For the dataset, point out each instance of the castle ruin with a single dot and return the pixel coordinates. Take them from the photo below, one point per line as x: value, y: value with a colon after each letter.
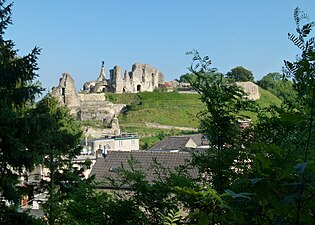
x: 91, y: 104
x: 86, y: 106
x: 141, y: 78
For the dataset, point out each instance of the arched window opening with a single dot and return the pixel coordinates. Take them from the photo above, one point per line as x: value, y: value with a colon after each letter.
x: 138, y: 88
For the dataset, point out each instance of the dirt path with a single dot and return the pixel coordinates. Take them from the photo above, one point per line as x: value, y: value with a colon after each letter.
x: 166, y: 127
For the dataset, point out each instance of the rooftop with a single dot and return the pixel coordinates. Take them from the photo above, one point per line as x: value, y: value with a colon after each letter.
x: 144, y: 160
x: 178, y: 142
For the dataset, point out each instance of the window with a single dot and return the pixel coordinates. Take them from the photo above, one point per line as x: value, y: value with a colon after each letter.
x: 138, y: 88
x: 120, y: 143
x: 133, y: 143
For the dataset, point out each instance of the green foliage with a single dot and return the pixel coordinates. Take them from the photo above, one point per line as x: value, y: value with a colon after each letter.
x: 270, y: 80
x: 223, y: 101
x: 87, y: 206
x: 187, y: 78
x: 60, y: 143
x: 148, y: 142
x: 302, y: 72
x: 9, y: 215
x: 205, y: 205
x: 240, y: 74
x: 281, y: 177
x: 263, y: 174
x: 172, y: 217
x: 18, y: 90
x: 110, y: 97
x: 282, y: 88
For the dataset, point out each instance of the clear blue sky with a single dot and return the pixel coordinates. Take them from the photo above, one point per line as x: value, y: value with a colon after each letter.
x: 76, y: 35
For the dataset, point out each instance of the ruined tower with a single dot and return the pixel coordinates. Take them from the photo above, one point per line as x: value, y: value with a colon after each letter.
x: 65, y: 92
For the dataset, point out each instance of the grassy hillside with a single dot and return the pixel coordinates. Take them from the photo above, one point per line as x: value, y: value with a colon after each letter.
x: 167, y: 108
x: 267, y: 99
x: 164, y: 108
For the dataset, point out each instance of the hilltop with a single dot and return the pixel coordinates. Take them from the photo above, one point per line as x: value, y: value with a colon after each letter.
x: 156, y: 114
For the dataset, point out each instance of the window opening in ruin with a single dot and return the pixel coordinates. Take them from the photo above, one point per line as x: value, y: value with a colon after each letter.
x: 124, y: 90
x: 63, y: 91
x: 138, y: 88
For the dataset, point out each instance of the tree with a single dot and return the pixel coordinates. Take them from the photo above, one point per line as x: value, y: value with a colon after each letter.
x: 187, y: 78
x: 280, y: 87
x: 18, y: 90
x: 240, y: 74
x: 270, y: 80
x: 29, y: 132
x: 302, y: 72
x: 224, y: 103
x: 60, y: 143
x: 281, y: 176
x: 219, y: 165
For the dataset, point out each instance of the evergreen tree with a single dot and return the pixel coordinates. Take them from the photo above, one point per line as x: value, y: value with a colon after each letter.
x: 18, y: 90
x: 31, y: 134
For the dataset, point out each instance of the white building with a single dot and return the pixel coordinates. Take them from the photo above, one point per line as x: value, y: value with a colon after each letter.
x: 122, y: 142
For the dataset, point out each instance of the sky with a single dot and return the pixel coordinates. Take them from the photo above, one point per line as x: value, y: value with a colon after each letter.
x: 75, y: 36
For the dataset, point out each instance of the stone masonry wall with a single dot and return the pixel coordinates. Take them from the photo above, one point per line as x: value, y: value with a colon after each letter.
x: 250, y: 89
x: 85, y: 106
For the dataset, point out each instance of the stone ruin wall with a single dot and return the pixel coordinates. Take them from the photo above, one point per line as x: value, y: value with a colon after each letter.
x: 250, y: 89
x: 86, y: 106
x: 94, y: 106
x: 92, y: 97
x: 65, y: 93
x: 142, y: 77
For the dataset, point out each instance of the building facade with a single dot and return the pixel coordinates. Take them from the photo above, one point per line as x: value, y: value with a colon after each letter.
x: 122, y: 142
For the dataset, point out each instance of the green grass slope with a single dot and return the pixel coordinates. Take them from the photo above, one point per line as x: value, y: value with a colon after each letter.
x: 168, y: 108
x: 267, y: 99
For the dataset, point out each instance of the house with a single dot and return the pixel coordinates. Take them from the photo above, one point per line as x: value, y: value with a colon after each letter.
x: 121, y: 142
x: 144, y: 160
x: 177, y: 143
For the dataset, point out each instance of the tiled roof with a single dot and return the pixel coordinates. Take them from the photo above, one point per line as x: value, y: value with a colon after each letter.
x: 107, y: 167
x: 177, y: 142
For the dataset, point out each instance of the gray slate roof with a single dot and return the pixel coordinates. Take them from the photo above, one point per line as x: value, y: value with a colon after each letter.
x: 107, y: 167
x: 177, y: 142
